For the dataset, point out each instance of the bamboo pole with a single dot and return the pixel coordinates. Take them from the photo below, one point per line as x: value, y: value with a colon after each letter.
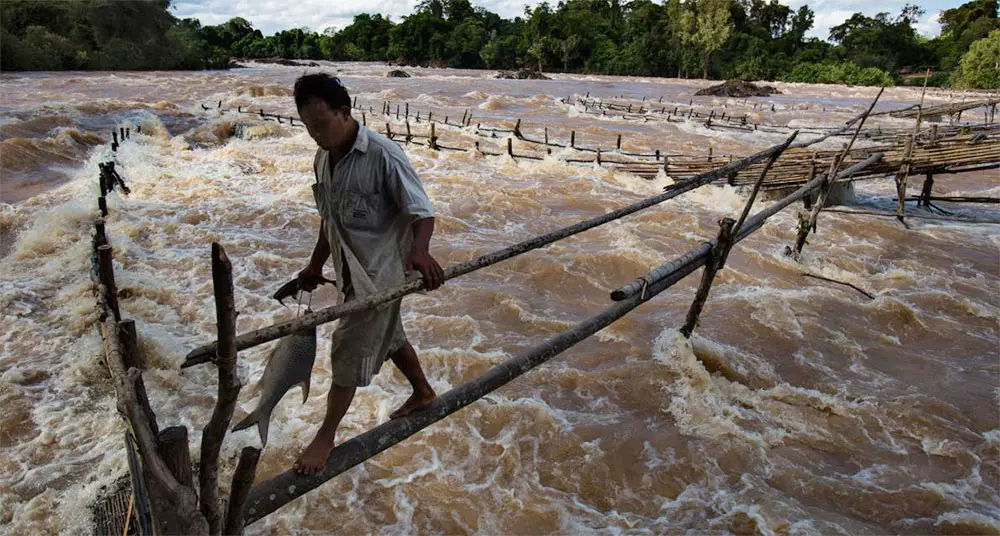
x: 831, y: 176
x: 920, y: 216
x: 695, y: 257
x: 229, y: 388
x: 203, y: 354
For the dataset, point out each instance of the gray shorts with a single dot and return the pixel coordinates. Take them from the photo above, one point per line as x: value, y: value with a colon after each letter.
x: 363, y: 341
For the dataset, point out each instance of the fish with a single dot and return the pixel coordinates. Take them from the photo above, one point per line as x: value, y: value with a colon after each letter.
x: 290, y: 364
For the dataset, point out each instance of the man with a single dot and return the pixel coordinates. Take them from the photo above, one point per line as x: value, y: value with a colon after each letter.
x: 377, y: 224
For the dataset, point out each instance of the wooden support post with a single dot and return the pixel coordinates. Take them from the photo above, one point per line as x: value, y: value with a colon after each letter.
x: 598, y: 156
x: 130, y: 344
x: 355, y: 103
x: 658, y: 154
x: 388, y: 130
x: 229, y: 388
x: 712, y: 266
x: 397, y: 112
x: 418, y: 116
x: 433, y: 141
x: 477, y: 147
x: 546, y: 135
x: 510, y: 147
x: 618, y: 142
x: 709, y: 154
x: 409, y: 136
x: 572, y: 139
x: 517, y: 129
x: 772, y: 107
x: 675, y: 111
x: 446, y: 120
x: 925, y: 193
x: 121, y: 133
x: 468, y: 120
x: 138, y: 129
x: 114, y: 140
x: 690, y: 113
x: 464, y: 113
x: 99, y: 237
x: 243, y: 478
x: 128, y: 133
x: 430, y: 117
x: 172, y: 445
x: 629, y: 108
x: 407, y: 114
x: 106, y: 270
x: 364, y: 119
x: 901, y: 179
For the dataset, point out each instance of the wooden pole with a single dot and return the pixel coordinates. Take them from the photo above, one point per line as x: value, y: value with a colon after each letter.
x: 719, y: 252
x: 618, y: 142
x: 925, y: 194
x: 510, y: 147
x: 598, y: 156
x: 243, y: 478
x: 407, y: 114
x: 409, y: 136
x: 901, y: 178
x: 106, y: 270
x: 433, y: 141
x: 229, y: 388
x: 130, y: 344
x: 831, y: 176
x: 572, y: 139
x: 100, y: 238
x: 172, y: 445
x: 248, y: 340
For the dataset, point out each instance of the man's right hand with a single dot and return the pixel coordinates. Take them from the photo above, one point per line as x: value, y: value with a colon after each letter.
x: 310, y: 278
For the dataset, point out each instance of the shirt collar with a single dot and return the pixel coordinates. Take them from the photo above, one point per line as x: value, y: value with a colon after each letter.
x: 361, y: 142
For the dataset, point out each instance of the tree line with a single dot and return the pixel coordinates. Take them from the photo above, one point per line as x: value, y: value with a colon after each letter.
x: 747, y: 39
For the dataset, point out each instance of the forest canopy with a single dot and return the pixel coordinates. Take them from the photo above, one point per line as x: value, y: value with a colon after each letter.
x: 747, y: 39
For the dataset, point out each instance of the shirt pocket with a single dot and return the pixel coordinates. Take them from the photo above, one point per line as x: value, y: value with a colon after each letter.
x: 361, y: 210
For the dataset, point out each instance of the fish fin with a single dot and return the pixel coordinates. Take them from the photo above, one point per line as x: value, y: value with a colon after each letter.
x: 305, y: 389
x: 247, y: 422
x: 262, y: 425
x: 261, y: 420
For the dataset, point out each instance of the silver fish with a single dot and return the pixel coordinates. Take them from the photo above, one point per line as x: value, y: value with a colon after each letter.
x: 289, y: 365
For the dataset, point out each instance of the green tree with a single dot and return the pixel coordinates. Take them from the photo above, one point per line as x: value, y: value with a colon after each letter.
x: 980, y: 66
x: 714, y: 27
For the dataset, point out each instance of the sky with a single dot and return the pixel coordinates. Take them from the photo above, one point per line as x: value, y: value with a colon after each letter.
x: 271, y: 16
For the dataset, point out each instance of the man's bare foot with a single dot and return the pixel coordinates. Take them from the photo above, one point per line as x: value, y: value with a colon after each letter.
x: 417, y: 401
x: 314, y: 457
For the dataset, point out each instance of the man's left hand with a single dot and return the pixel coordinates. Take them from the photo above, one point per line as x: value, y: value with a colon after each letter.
x: 429, y: 268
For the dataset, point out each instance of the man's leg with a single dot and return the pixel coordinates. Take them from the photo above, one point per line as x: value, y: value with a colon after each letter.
x: 423, y: 395
x: 314, y: 457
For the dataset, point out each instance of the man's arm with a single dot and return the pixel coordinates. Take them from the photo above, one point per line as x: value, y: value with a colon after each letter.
x: 310, y: 276
x: 420, y: 256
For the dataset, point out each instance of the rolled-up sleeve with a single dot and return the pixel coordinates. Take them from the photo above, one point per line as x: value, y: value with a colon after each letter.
x: 405, y: 188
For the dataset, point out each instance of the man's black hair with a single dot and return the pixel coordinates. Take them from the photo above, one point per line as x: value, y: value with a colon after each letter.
x: 323, y: 87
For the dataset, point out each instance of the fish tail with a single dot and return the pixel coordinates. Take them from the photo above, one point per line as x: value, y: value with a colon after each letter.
x: 261, y: 420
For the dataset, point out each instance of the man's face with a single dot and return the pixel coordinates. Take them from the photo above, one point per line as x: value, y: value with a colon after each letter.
x: 329, y: 127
